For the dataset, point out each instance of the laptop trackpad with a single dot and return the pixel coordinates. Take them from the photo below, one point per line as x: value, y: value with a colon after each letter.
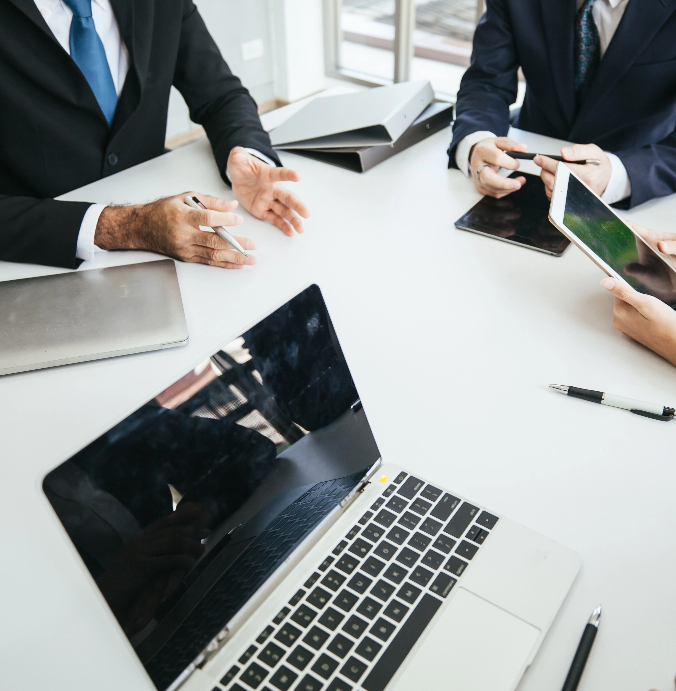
x: 474, y: 646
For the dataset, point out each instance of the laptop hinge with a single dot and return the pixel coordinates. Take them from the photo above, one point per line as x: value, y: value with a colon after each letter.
x: 217, y: 642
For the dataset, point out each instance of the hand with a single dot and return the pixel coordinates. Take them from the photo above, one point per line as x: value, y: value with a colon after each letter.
x: 256, y: 185
x: 644, y: 318
x: 664, y: 242
x: 651, y: 271
x: 491, y: 152
x: 169, y: 226
x: 597, y: 177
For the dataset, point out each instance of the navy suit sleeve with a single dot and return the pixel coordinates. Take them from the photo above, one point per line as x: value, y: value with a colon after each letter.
x: 490, y: 84
x: 215, y: 96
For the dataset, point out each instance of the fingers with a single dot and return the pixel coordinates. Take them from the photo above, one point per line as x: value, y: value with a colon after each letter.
x: 667, y: 246
x: 215, y: 203
x: 278, y: 221
x: 497, y: 157
x: 624, y: 292
x: 497, y: 185
x: 581, y: 152
x: 293, y: 202
x: 209, y: 248
x: 287, y: 215
x: 548, y: 179
x: 507, y: 144
x: 213, y: 219
x: 546, y: 163
x: 283, y: 175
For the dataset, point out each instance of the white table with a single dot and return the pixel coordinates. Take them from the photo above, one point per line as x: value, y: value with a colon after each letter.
x: 465, y: 332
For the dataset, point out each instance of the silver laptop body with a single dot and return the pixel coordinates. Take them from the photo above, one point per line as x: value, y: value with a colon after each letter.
x: 89, y: 315
x: 325, y: 568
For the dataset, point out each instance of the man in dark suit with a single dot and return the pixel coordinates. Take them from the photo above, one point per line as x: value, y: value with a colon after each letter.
x: 84, y: 88
x: 600, y: 73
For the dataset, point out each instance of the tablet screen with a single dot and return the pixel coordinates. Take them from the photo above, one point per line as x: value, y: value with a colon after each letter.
x: 613, y: 242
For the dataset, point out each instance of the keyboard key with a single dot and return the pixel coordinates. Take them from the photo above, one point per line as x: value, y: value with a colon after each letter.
x: 433, y: 559
x: 420, y: 542
x: 446, y: 506
x: 312, y: 580
x: 288, y: 634
x: 477, y: 534
x: 347, y: 564
x: 359, y: 583
x: 315, y: 637
x: 409, y: 520
x: 339, y: 547
x: 309, y: 683
x: 389, y: 491
x: 355, y: 626
x: 300, y: 657
x: 396, y: 611
x: 325, y: 666
x: 455, y: 566
x: 395, y: 573
x: 353, y: 532
x: 400, y: 478
x: 353, y: 669
x: 421, y: 575
x: 385, y: 518
x: 443, y: 584
x: 383, y: 590
x: 398, y: 535
x: 303, y: 616
x: 365, y: 518
x: 461, y: 520
x: 373, y: 532
x: 466, y: 550
x: 369, y: 608
x: 409, y: 593
x: 319, y: 597
x: 326, y: 563
x: 377, y: 504
x: 297, y: 597
x: 360, y: 547
x: 265, y: 634
x: 338, y: 685
x: 487, y: 520
x: 385, y: 550
x: 231, y: 674
x: 431, y: 493
x: 373, y: 566
x: 411, y: 487
x: 254, y: 675
x: 271, y: 654
x: 397, y: 504
x: 368, y: 649
x: 407, y: 557
x: 420, y: 506
x: 430, y: 526
x: 346, y: 600
x: 331, y: 618
x: 235, y: 687
x: 340, y: 646
x: 444, y: 544
x: 283, y: 678
x: 333, y: 580
x: 247, y: 655
x: 382, y: 629
x: 281, y: 615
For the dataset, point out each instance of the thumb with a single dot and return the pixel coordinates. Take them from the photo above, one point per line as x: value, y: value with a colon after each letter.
x: 579, y: 152
x: 623, y: 291
x: 667, y: 246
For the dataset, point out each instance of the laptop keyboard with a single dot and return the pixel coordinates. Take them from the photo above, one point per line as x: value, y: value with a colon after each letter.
x: 358, y: 616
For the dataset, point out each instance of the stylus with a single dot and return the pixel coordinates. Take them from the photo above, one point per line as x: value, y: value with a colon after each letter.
x: 195, y: 203
x: 582, y: 652
x: 651, y: 410
x: 529, y: 157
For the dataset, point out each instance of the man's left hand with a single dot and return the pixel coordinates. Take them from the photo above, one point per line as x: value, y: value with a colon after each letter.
x: 597, y: 177
x: 257, y: 187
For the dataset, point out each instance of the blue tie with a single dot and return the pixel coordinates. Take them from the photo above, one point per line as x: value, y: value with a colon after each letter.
x: 587, y: 49
x: 86, y: 49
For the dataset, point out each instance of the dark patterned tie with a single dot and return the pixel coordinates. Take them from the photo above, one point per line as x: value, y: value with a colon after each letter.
x: 587, y: 49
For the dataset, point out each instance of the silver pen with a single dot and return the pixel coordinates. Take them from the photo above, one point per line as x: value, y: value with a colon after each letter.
x: 195, y: 203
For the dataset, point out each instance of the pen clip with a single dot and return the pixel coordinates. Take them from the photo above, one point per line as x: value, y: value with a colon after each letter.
x: 653, y: 416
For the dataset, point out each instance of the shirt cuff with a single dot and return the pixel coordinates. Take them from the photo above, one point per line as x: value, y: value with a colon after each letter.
x: 465, y: 146
x: 619, y: 185
x: 86, y: 249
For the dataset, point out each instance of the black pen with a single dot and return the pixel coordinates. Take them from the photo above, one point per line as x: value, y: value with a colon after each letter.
x: 529, y: 157
x: 651, y: 410
x: 582, y: 652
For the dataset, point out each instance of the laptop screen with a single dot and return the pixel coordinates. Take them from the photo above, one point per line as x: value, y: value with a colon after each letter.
x: 183, y: 510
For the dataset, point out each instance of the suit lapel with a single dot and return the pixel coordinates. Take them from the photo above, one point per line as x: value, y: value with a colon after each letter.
x: 30, y: 9
x: 559, y: 22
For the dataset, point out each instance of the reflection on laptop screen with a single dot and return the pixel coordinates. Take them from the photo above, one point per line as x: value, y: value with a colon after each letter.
x: 182, y: 510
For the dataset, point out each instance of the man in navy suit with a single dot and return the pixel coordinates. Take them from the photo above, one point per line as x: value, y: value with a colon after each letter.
x: 600, y: 73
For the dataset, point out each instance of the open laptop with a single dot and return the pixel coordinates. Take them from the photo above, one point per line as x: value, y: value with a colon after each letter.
x: 246, y: 534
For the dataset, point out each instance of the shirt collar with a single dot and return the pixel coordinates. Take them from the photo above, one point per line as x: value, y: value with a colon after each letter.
x: 612, y: 3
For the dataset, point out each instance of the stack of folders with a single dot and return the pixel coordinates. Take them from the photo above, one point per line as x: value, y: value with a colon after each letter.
x: 359, y: 130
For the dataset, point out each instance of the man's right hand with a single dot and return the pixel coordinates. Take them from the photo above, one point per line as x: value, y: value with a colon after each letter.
x: 491, y: 154
x: 169, y: 226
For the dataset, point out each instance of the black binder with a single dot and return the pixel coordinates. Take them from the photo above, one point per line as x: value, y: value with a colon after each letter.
x: 433, y: 119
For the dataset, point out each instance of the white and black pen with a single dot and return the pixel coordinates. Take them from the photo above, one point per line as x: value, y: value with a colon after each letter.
x: 651, y: 410
x: 195, y: 203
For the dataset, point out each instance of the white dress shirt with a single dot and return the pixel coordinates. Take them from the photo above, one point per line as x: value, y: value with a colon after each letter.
x: 58, y: 17
x: 607, y: 15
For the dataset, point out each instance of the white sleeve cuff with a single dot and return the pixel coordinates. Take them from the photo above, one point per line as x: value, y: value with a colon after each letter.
x: 86, y: 249
x: 619, y: 185
x: 465, y: 146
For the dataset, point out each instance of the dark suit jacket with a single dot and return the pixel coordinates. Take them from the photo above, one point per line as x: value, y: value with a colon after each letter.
x: 54, y: 137
x: 631, y: 106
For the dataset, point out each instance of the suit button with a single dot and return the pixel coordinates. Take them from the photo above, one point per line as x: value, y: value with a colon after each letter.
x: 112, y: 159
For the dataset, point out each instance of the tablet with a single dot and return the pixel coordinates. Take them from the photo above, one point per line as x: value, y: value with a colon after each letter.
x: 608, y: 241
x: 521, y: 218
